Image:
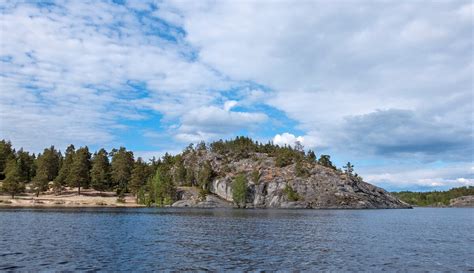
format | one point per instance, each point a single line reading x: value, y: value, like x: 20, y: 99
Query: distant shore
x: 70, y: 198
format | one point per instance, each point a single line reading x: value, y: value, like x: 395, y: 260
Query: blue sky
x: 386, y: 85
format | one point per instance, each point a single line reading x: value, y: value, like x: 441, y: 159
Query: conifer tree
x: 139, y: 176
x: 164, y: 188
x: 80, y: 169
x: 66, y: 166
x: 6, y: 153
x: 26, y: 163
x: 100, y: 172
x: 13, y: 183
x: 122, y: 164
x: 239, y: 190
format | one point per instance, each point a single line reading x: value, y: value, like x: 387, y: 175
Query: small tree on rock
x: 239, y: 190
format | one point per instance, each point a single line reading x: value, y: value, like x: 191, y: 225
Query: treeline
x: 433, y: 197
x: 152, y: 182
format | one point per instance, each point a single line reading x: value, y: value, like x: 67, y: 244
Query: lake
x: 439, y: 239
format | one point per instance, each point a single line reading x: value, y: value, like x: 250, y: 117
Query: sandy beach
x: 68, y: 198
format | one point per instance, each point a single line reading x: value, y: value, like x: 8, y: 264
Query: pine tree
x: 349, y: 169
x: 100, y: 172
x: 80, y: 169
x: 13, y: 183
x: 6, y: 153
x: 164, y: 188
x: 205, y: 176
x: 66, y: 165
x: 41, y: 180
x: 311, y: 156
x: 26, y: 164
x: 139, y: 176
x: 239, y: 190
x: 179, y: 172
x: 325, y: 160
x: 122, y: 165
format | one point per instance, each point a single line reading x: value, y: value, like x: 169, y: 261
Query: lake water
x: 434, y: 239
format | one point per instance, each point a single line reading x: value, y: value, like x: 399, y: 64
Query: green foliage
x: 300, y: 169
x: 239, y: 190
x: 26, y: 163
x: 64, y: 173
x: 205, y: 176
x: 6, y: 153
x: 311, y: 156
x: 13, y: 183
x: 80, y: 169
x: 122, y: 165
x: 40, y: 182
x: 284, y: 157
x: 190, y: 179
x: 325, y: 160
x: 163, y: 187
x: 256, y: 176
x: 100, y: 172
x: 179, y: 172
x: 139, y: 176
x: 349, y: 169
x: 433, y: 197
x: 202, y: 194
x: 291, y: 194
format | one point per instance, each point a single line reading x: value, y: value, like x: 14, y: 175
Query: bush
x: 291, y: 194
x: 239, y: 190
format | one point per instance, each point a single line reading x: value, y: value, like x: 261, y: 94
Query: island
x: 237, y: 173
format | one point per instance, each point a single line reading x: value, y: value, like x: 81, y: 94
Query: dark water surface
x: 147, y: 239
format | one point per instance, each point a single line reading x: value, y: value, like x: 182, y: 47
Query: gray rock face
x: 463, y: 201
x: 322, y: 188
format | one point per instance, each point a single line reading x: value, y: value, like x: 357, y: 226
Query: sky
x: 386, y: 85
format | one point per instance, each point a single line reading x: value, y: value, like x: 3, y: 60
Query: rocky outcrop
x: 463, y: 201
x: 189, y: 197
x: 269, y: 186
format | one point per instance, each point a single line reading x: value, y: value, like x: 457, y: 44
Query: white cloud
x: 330, y: 61
x: 287, y: 139
x: 210, y: 122
x: 409, y: 177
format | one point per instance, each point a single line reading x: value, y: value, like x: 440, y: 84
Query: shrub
x: 291, y: 194
x: 239, y: 190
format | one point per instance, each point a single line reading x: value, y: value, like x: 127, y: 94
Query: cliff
x: 302, y: 184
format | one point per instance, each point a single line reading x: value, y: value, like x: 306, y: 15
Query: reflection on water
x: 227, y: 239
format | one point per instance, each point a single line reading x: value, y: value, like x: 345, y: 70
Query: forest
x: 152, y: 182
x: 433, y: 198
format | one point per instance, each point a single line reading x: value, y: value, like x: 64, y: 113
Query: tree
x: 300, y: 169
x: 325, y: 160
x: 41, y: 180
x: 6, y: 153
x: 311, y: 156
x: 349, y: 169
x: 291, y: 194
x: 179, y: 172
x: 164, y: 189
x: 100, y: 172
x: 80, y: 169
x: 205, y: 176
x: 256, y: 176
x: 13, y: 183
x: 139, y: 176
x: 26, y: 163
x: 190, y: 179
x: 122, y: 164
x: 64, y: 173
x: 299, y: 147
x: 239, y: 190
x: 284, y: 157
